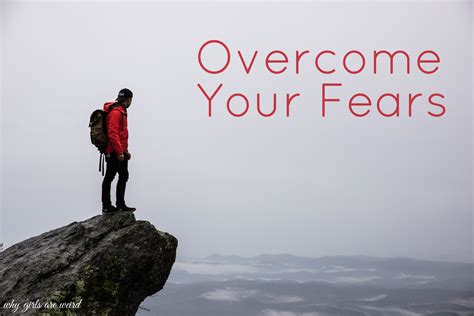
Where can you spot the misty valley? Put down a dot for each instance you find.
(287, 285)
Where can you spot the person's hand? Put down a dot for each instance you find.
(120, 157)
(128, 155)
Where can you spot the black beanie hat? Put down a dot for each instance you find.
(125, 93)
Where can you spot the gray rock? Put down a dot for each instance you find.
(107, 265)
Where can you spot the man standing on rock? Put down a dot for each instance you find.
(116, 152)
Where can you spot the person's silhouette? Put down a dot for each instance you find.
(116, 152)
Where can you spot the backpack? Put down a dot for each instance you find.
(98, 130)
(98, 133)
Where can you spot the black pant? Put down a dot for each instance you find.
(113, 166)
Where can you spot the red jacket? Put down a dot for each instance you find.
(117, 129)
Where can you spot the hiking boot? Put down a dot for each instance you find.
(110, 209)
(125, 208)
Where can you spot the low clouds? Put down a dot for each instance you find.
(236, 294)
(229, 294)
(214, 268)
(273, 312)
(374, 298)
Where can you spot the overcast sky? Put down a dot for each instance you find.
(304, 185)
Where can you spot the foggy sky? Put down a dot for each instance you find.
(304, 185)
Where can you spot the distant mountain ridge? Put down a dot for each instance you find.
(391, 272)
(286, 256)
